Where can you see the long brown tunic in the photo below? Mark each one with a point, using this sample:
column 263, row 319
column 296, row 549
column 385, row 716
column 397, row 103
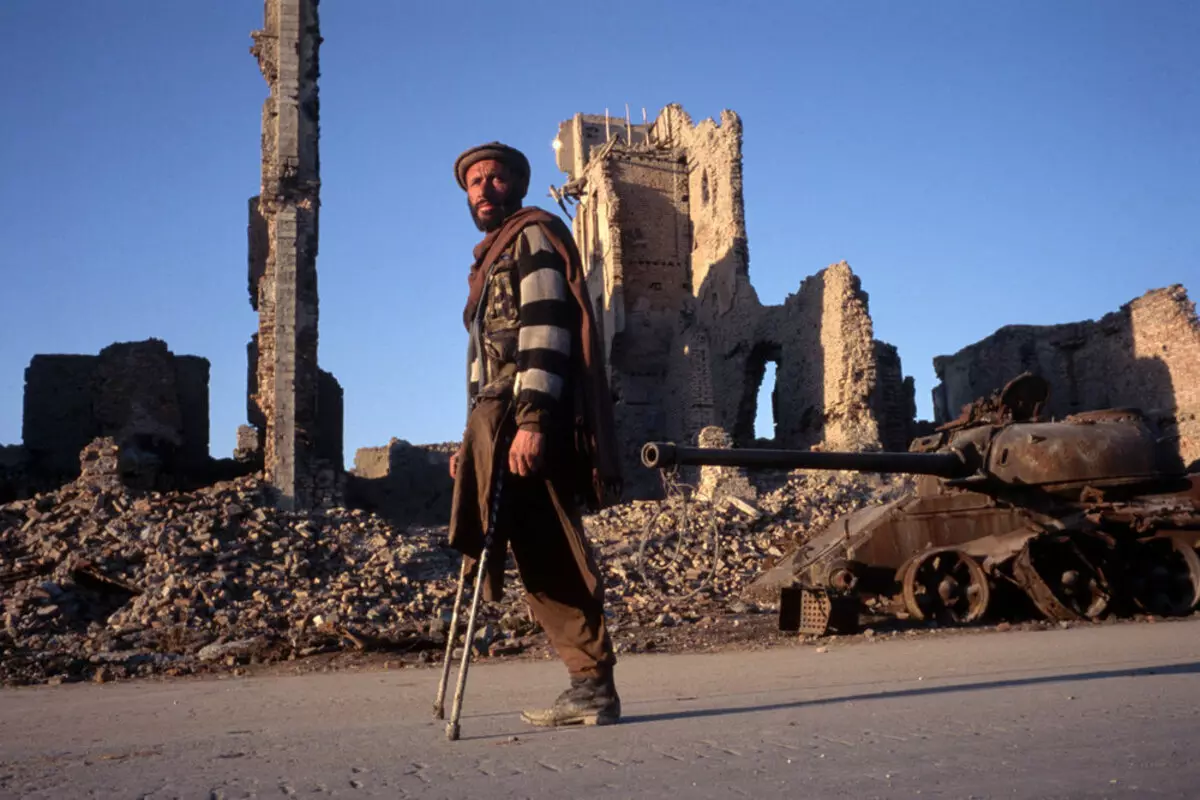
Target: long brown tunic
column 539, row 515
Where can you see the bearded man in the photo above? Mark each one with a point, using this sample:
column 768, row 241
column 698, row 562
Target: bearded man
column 539, row 420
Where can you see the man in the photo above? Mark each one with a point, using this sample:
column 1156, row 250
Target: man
column 539, row 426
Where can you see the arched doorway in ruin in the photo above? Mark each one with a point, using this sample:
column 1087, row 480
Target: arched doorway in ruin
column 754, row 421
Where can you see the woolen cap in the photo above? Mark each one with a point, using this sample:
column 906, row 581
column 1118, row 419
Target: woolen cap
column 495, row 151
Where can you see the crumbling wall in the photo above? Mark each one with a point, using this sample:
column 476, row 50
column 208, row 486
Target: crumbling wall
column 597, row 228
column 581, row 136
column 15, row 479
column 136, row 393
column 152, row 403
column 713, row 155
column 725, row 358
column 790, row 336
column 850, row 372
column 893, row 399
column 661, row 228
column 330, row 421
column 635, row 231
column 57, row 419
column 835, row 385
column 191, row 377
column 1146, row 355
column 404, row 483
column 283, row 230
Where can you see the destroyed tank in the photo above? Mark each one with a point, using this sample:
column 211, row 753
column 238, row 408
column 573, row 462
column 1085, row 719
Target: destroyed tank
column 1079, row 518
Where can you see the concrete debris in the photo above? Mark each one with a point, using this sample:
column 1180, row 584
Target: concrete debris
column 99, row 581
column 676, row 579
column 718, row 483
column 96, row 569
column 741, row 505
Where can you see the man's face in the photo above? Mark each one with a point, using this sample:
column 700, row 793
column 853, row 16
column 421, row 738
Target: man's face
column 489, row 194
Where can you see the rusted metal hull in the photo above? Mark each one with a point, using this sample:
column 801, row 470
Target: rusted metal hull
column 1073, row 560
column 1081, row 517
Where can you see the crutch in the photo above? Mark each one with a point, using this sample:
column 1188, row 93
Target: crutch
column 439, row 702
column 452, row 728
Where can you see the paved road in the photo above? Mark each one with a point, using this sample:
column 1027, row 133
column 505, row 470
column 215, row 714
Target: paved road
column 1104, row 711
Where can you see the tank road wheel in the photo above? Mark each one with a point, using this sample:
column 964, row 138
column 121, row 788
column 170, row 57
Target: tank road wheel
column 1164, row 577
column 944, row 584
column 1061, row 578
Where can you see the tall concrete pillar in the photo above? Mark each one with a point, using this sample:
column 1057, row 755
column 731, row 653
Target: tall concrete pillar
column 283, row 248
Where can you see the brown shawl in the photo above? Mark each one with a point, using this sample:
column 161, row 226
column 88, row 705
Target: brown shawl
column 598, row 462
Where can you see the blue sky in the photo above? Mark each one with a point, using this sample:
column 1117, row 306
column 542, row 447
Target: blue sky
column 977, row 164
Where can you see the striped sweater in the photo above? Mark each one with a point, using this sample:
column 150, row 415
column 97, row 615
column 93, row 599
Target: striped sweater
column 521, row 337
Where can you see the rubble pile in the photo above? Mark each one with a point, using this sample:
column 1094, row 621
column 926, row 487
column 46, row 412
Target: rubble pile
column 99, row 581
column 657, row 577
column 808, row 500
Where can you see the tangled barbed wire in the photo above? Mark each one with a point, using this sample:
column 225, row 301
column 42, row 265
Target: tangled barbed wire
column 679, row 553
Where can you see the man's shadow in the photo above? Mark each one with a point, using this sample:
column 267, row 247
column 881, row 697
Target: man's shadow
column 1189, row 668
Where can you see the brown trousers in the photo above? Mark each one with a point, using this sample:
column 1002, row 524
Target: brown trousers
column 563, row 585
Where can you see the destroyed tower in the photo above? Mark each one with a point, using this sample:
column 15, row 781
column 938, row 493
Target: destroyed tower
column 295, row 408
column 661, row 228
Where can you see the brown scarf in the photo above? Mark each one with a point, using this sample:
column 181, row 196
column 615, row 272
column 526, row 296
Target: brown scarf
column 596, row 448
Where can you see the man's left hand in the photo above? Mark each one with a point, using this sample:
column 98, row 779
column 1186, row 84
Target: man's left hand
column 525, row 454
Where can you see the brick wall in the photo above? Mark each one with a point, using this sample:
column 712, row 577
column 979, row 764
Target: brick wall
column 661, row 227
column 139, row 393
column 1146, row 354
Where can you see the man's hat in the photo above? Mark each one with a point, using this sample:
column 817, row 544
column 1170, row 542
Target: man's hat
column 494, row 151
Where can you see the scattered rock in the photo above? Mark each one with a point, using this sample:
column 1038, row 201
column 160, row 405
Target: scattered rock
column 215, row 652
column 101, row 581
column 97, row 573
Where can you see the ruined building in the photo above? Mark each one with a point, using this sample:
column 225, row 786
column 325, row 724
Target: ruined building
column 1145, row 355
column 295, row 409
column 659, row 221
column 153, row 403
column 660, row 224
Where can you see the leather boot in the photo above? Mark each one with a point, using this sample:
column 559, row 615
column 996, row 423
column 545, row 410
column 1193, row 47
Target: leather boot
column 589, row 701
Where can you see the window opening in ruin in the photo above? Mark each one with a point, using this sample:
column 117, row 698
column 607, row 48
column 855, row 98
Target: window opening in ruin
column 764, row 420
column 757, row 418
column 704, row 187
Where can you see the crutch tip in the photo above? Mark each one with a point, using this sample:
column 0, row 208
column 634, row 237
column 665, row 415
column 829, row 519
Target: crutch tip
column 452, row 732
column 439, row 712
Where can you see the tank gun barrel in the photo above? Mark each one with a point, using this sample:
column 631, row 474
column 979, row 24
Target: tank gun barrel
column 667, row 454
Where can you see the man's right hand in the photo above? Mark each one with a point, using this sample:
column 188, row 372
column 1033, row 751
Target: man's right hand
column 454, row 459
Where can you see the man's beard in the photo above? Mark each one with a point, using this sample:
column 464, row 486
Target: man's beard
column 507, row 209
